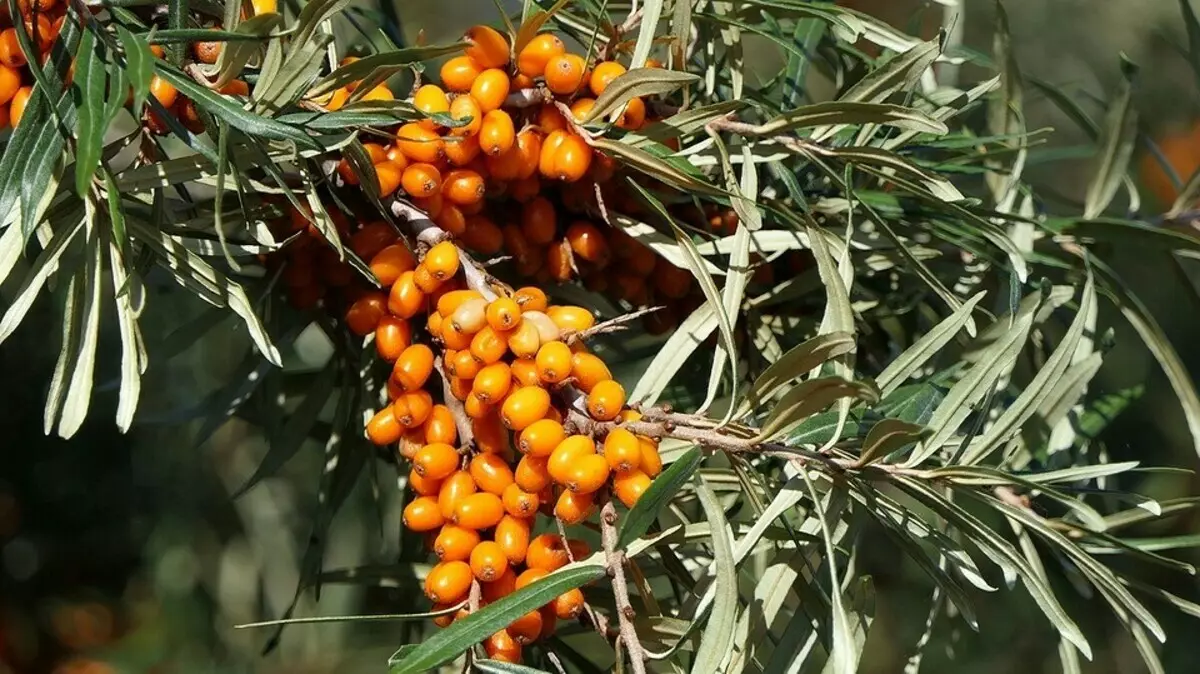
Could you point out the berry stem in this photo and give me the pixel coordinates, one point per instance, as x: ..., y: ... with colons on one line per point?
x: 615, y: 559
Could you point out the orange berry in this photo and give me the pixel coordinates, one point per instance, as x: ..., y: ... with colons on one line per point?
x: 389, y: 263
x: 387, y: 175
x: 532, y: 474
x: 588, y: 242
x: 524, y: 406
x: 483, y: 236
x: 454, y: 338
x: 574, y: 507
x: 453, y: 299
x: 405, y: 299
x: 411, y: 409
x: 634, y: 115
x: 372, y: 238
x: 436, y: 460
x: 470, y: 316
x: 10, y: 83
x: 440, y: 427
x: 466, y: 109
x: 650, y: 461
x: 554, y: 362
x: 10, y: 49
x: 525, y: 373
x: 418, y: 143
x: 492, y: 383
x: 383, y: 428
x: 530, y: 298
x: 606, y: 400
x: 423, y: 485
x: 503, y: 314
x: 448, y: 582
x: 603, y: 74
x: 460, y: 388
x: 207, y: 52
x: 457, y: 486
x: 571, y: 318
x: 564, y: 456
x: 530, y: 576
x: 500, y: 588
x: 488, y: 561
x: 540, y: 438
x: 421, y: 180
x: 463, y: 186
x: 461, y: 150
x: 565, y: 73
x: 364, y: 315
x: 422, y: 514
x: 546, y: 552
x: 442, y: 260
x: 496, y: 134
x: 501, y: 646
x: 413, y: 367
x: 455, y: 543
x: 550, y: 147
x: 163, y: 91
x: 559, y: 263
x: 452, y: 220
x: 430, y: 99
x: 588, y: 370
x: 446, y: 619
x: 488, y: 346
x: 518, y: 502
x: 466, y: 366
x: 582, y: 107
x: 571, y: 160
x: 490, y: 89
x: 379, y: 93
x: 512, y: 533
x: 630, y: 485
x: 490, y: 436
x: 587, y: 474
x: 527, y: 628
x: 622, y: 450
x: 491, y: 473
x: 459, y: 73
x: 481, y: 510
x: 488, y: 47
x: 476, y: 408
x: 549, y: 119
x: 524, y: 341
x: 523, y: 190
x: 568, y: 605
x: 534, y: 56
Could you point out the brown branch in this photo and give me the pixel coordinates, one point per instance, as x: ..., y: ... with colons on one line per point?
x: 598, y: 620
x: 466, y: 436
x: 615, y: 560
x: 429, y: 234
x: 611, y: 325
x: 527, y: 98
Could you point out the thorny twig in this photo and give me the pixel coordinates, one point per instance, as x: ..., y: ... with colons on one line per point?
x: 615, y: 560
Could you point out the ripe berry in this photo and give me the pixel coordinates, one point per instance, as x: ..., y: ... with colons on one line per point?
x: 500, y: 588
x: 481, y: 510
x: 461, y: 150
x: 496, y: 133
x: 411, y: 409
x: 488, y: 561
x: 588, y: 242
x: 372, y: 238
x: 418, y: 143
x: 603, y: 74
x: 554, y: 362
x: 503, y: 314
x: 207, y: 52
x: 587, y: 474
x: 527, y: 628
x: 405, y: 299
x: 565, y: 73
x: 575, y: 319
x: 442, y: 260
x: 10, y: 83
x: 518, y: 502
x: 490, y: 89
x: 501, y: 646
x: 532, y: 474
x: 466, y: 367
x: 459, y: 73
x: 650, y: 462
x: 440, y: 427
x: 422, y: 514
x: 482, y: 235
x: 389, y: 263
x: 431, y: 99
x: 492, y: 383
x: 457, y: 486
x: 588, y: 370
x: 548, y: 331
x: 455, y: 543
x: 476, y: 408
x: 550, y: 146
x: 364, y: 315
x: 379, y: 93
x: 606, y: 400
x: 466, y: 109
x: 10, y: 49
x: 622, y: 450
x: 574, y: 507
x: 524, y: 373
x: 630, y: 485
x: 569, y: 451
x: 540, y: 438
x: 488, y: 47
x: 491, y: 473
x: 421, y: 180
x: 471, y: 316
x: 436, y: 461
x: 163, y: 91
x: 392, y: 336
x: 490, y: 436
x: 530, y: 298
x: 488, y: 346
x: 571, y: 160
x: 524, y: 342
x: 383, y: 428
x: 422, y: 485
x: 547, y: 552
x: 524, y: 406
x: 512, y: 534
x: 634, y: 115
x: 463, y: 186
x: 534, y: 56
x: 448, y: 582
x: 413, y: 367
x: 568, y: 605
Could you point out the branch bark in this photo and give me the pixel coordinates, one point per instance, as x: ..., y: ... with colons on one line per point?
x: 615, y: 559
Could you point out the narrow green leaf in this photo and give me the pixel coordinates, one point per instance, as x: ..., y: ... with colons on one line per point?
x: 717, y: 638
x: 45, y: 264
x: 640, y: 82
x: 447, y: 644
x: 887, y: 436
x: 796, y: 362
x: 682, y: 343
x: 850, y: 112
x: 500, y: 667
x: 364, y: 67
x: 139, y: 66
x: 655, y: 167
x: 89, y: 85
x: 651, y: 13
x: 808, y: 398
x: 77, y: 397
x: 844, y: 655
x: 532, y: 22
x: 235, y: 55
x: 133, y: 349
x: 662, y: 489
x: 1117, y: 144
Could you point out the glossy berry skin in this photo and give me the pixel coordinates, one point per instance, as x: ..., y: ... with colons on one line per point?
x: 518, y: 502
x: 532, y: 59
x: 496, y: 133
x: 500, y: 588
x: 412, y: 408
x: 383, y: 428
x: 455, y: 487
x: 431, y: 99
x: 567, y: 453
x: 554, y: 362
x: 574, y: 507
x: 587, y: 474
x: 527, y: 628
x: 524, y: 406
x: 501, y: 646
x: 414, y: 366
x: 455, y: 543
x: 480, y: 510
x: 541, y: 437
x: 622, y: 450
x: 488, y: 47
x: 459, y: 73
x: 547, y: 552
x: 568, y: 605
x: 629, y: 486
x: 651, y: 462
x: 565, y: 74
x: 436, y: 460
x: 512, y: 533
x: 532, y: 474
x: 606, y: 400
x: 488, y: 561
x: 490, y: 89
x: 422, y: 514
x: 491, y: 473
x: 448, y: 582
x: 603, y: 74
x: 588, y: 370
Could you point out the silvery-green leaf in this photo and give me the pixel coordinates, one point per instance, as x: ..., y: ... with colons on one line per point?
x: 46, y: 263
x: 1116, y: 148
x: 717, y: 638
x: 796, y: 362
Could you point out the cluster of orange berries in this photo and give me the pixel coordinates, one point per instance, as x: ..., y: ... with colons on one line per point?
x: 514, y: 371
x: 43, y: 21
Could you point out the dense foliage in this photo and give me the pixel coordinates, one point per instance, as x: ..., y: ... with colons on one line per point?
x: 599, y: 277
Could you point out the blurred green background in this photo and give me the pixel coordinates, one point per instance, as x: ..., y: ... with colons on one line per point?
x: 129, y: 550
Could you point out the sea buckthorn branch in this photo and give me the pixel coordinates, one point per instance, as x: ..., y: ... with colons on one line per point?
x: 466, y: 436
x: 615, y: 561
x: 611, y: 325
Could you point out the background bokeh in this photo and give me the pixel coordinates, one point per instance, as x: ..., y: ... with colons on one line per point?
x: 129, y: 550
